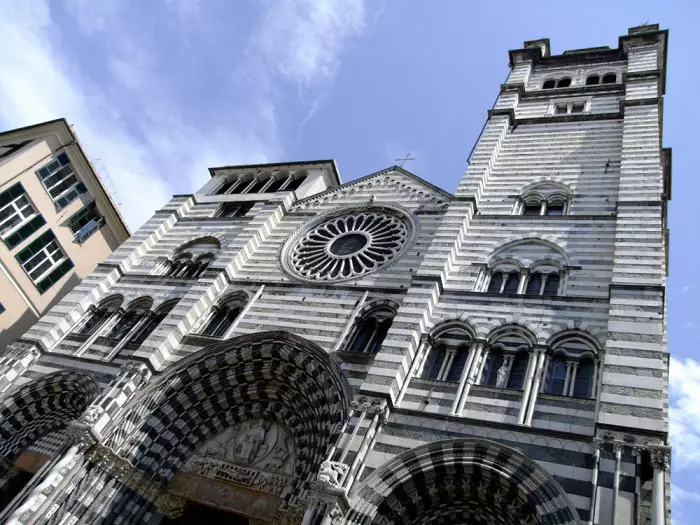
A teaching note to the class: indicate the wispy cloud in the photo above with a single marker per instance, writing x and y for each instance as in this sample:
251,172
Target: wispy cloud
684,412
133,114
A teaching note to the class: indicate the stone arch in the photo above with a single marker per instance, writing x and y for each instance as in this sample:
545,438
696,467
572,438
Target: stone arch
274,375
512,329
514,241
215,239
453,324
379,304
538,185
142,303
457,480
574,344
42,406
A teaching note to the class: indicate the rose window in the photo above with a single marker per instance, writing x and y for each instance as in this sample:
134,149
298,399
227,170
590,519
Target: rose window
347,246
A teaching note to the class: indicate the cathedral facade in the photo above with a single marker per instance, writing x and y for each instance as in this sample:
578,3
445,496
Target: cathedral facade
279,347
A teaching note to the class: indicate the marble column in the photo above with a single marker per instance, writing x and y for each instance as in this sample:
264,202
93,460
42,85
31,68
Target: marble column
660,461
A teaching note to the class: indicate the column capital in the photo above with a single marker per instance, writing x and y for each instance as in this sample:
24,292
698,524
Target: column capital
138,371
660,458
113,464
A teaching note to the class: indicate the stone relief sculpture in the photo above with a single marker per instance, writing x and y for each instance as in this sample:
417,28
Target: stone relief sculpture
331,473
258,453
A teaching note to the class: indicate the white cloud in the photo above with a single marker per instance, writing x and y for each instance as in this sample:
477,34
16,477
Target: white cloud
684,412
43,86
302,40
135,121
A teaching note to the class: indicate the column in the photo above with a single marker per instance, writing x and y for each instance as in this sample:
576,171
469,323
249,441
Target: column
138,325
617,446
482,365
85,433
543,382
572,382
527,386
468,376
565,392
660,461
102,329
418,359
539,372
446,364
378,421
594,385
522,284
597,443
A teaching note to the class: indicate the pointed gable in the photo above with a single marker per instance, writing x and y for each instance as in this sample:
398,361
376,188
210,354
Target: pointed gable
393,184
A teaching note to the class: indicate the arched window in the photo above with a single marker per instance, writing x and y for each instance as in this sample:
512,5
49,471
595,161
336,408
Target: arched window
371,331
557,376
151,323
445,363
610,78
584,378
502,282
516,378
551,285
192,258
433,365
97,316
548,84
493,365
136,311
554,208
564,82
593,80
534,284
223,316
457,366
512,282
496,283
532,208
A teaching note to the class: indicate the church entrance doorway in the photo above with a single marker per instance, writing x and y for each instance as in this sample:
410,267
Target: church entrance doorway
198,514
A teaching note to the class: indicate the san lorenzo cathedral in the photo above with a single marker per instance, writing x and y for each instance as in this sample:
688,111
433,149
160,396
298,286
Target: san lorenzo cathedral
282,348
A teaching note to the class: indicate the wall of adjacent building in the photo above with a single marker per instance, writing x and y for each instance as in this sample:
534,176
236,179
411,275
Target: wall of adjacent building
20,296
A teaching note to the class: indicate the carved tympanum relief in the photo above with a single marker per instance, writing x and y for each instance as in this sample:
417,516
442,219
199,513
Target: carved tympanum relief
257,453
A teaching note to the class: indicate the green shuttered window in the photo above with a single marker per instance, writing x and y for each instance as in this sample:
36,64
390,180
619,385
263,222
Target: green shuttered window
44,261
18,216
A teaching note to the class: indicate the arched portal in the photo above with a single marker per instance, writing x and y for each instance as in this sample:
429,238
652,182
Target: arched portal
459,481
33,411
257,413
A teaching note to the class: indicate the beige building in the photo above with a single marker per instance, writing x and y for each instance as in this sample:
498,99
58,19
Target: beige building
56,222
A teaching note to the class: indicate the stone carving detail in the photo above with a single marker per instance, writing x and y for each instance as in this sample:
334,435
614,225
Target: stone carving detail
257,454
92,414
502,375
408,190
348,245
660,458
331,473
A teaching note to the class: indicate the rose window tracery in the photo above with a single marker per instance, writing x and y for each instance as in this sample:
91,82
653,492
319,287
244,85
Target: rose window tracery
348,246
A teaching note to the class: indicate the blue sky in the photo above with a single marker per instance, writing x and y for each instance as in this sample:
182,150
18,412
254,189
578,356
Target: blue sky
159,91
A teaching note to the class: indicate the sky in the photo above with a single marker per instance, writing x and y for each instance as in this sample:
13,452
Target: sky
160,91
